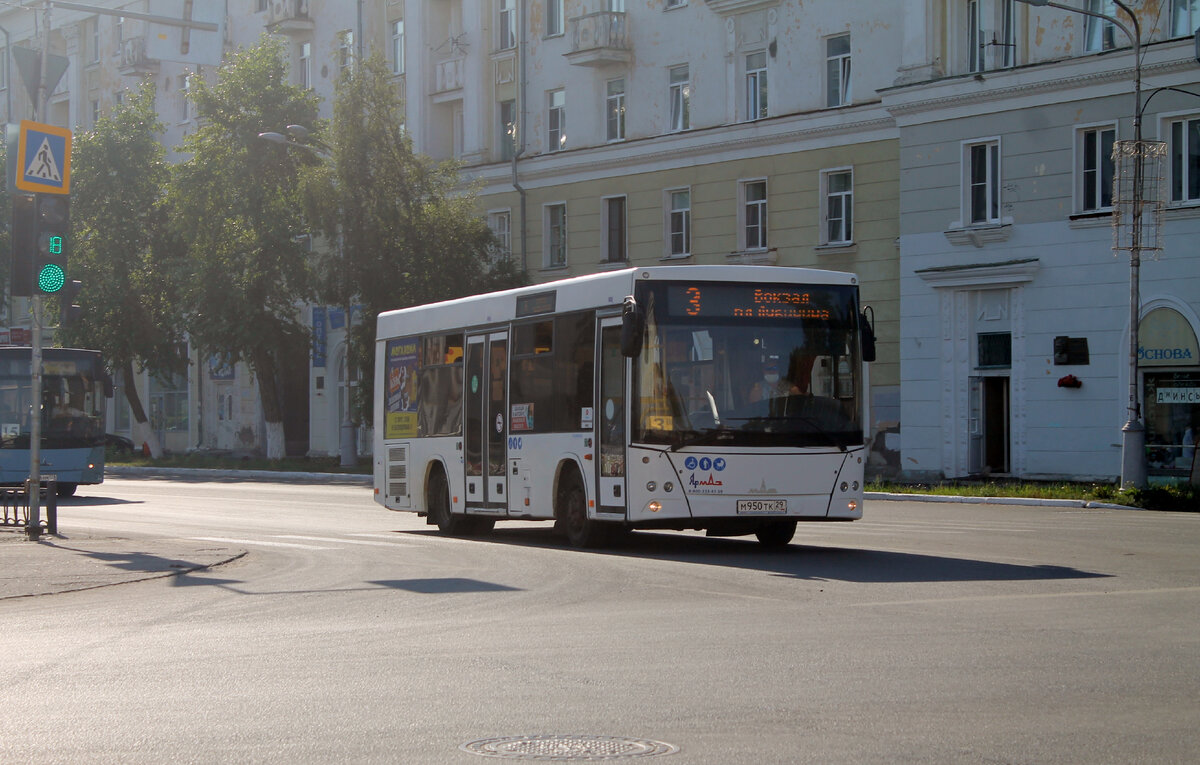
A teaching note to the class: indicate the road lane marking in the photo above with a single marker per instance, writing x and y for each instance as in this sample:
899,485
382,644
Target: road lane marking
262,542
340,540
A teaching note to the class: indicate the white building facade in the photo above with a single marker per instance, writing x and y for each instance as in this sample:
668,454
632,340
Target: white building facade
1015,310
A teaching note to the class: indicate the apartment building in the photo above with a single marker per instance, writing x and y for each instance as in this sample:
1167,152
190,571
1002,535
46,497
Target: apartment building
1015,327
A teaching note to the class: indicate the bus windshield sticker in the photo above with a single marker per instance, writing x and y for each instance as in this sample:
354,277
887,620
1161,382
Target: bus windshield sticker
401,403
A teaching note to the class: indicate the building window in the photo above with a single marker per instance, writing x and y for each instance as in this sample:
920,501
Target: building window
306,65
398,46
508,24
345,50
260,6
95,110
92,40
555,235
974,36
614,110
982,181
1184,148
675,3
1095,147
1100,34
508,129
679,223
500,222
1008,33
556,120
756,86
680,97
554,17
837,71
1185,17
184,93
753,215
614,230
838,207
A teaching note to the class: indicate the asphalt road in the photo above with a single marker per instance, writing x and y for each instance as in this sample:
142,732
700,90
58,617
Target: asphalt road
346,633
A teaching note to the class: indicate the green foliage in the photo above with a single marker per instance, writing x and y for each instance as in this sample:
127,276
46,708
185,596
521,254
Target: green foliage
123,253
236,205
409,231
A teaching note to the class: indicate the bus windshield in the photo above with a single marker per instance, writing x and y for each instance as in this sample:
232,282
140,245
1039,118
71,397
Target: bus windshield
72,402
755,365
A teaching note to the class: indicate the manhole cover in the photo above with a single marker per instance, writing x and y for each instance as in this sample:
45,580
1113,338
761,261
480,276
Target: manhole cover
565,748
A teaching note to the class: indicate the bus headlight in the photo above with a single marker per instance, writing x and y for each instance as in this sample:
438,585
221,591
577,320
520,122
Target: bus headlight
844,486
651,485
668,487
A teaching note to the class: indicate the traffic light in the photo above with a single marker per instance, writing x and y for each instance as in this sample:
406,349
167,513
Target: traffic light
52,231
23,244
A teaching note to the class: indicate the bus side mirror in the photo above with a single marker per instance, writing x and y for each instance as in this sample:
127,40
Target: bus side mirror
632,326
868,335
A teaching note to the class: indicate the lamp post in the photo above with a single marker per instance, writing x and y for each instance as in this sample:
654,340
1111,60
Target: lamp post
1133,433
298,137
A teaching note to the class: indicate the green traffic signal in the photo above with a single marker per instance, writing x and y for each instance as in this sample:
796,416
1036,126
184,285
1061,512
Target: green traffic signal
51,278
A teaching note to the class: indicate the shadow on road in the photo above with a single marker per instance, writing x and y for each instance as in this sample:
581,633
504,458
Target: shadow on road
807,562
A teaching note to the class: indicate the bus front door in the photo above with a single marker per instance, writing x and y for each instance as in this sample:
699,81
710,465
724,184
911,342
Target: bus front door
610,419
486,423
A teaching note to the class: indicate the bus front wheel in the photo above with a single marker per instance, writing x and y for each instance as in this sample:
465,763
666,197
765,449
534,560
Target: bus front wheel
572,512
776,533
437,499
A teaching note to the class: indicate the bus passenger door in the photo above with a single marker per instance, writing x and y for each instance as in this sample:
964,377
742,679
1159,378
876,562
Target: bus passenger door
610,419
486,422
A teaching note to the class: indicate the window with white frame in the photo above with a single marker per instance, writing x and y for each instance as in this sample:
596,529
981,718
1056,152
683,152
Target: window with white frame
554,18
752,214
500,222
93,40
306,65
507,140
1100,34
556,120
1094,147
185,82
1183,146
613,214
614,110
1185,17
675,4
837,71
837,208
508,24
398,46
616,6
680,95
679,222
974,37
981,182
555,235
1008,33
756,86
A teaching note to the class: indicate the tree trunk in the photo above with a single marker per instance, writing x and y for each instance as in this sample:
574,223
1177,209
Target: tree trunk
266,371
142,434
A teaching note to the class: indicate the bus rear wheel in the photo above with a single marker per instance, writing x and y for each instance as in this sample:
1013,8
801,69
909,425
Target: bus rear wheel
572,512
776,534
66,489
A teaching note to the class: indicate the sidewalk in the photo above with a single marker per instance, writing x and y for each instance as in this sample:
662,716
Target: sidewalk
70,561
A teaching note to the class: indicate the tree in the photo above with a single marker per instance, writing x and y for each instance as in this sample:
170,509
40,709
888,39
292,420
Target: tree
123,254
409,231
236,205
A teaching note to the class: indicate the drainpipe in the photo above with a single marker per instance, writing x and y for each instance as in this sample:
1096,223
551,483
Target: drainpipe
519,150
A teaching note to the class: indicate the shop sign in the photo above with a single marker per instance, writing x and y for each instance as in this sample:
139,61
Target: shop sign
1178,396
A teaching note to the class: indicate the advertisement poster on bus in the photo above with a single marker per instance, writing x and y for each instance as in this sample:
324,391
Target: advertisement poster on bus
400,417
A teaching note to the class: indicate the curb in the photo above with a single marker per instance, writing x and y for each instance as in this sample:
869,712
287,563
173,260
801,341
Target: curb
213,474
1027,501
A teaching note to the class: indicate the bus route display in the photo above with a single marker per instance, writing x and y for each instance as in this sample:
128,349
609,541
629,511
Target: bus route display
709,300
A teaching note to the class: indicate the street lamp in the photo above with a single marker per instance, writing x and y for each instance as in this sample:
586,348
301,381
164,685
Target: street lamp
298,137
1138,152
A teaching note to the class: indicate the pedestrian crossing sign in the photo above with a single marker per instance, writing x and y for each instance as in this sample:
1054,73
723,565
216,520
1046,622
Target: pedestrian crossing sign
44,159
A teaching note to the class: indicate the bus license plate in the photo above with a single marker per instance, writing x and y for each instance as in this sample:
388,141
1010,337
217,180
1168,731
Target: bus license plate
761,506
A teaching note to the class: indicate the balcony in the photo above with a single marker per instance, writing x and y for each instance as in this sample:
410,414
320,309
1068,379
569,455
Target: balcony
449,75
600,39
289,17
134,60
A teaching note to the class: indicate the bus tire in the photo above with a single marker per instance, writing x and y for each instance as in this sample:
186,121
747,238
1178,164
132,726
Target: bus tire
572,512
776,534
437,499
66,489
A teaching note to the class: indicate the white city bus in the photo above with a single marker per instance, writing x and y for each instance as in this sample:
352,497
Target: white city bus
723,398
